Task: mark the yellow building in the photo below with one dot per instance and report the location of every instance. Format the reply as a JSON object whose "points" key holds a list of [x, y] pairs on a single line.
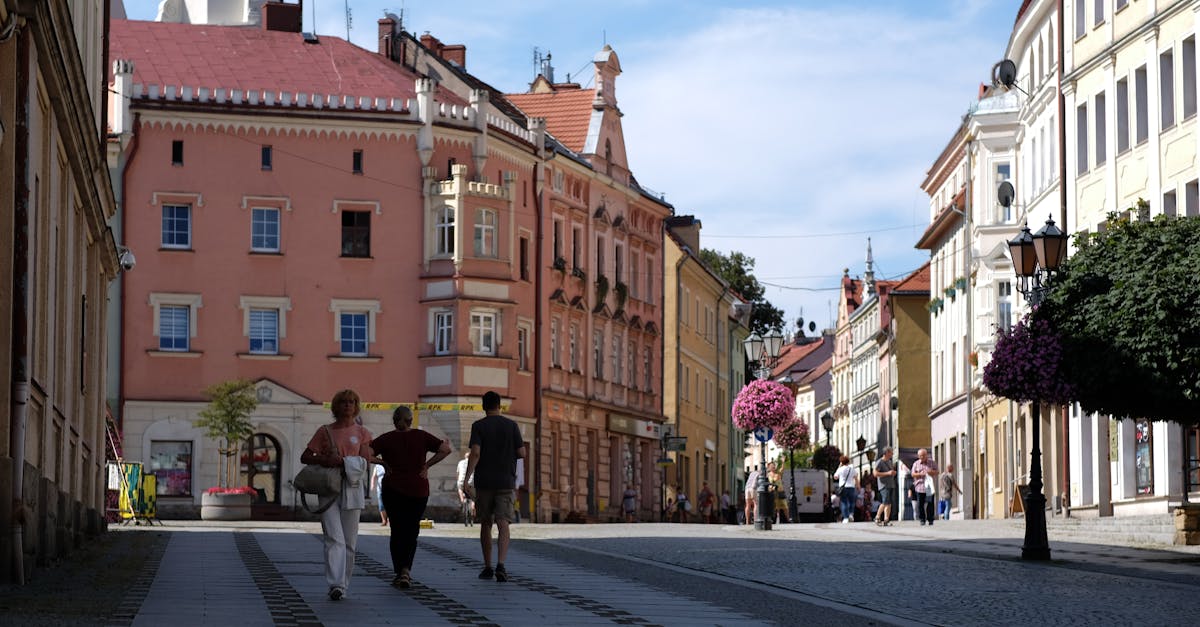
{"points": [[704, 324], [55, 202]]}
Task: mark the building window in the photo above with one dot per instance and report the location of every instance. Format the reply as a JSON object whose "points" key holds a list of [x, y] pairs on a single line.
{"points": [[483, 333], [1143, 452], [619, 263], [177, 152], [356, 233], [523, 257], [649, 281], [354, 325], [1098, 12], [1080, 18], [485, 233], [1004, 173], [598, 354], [356, 164], [175, 320], [264, 322], [264, 331], [1142, 105], [558, 234], [1004, 306], [634, 264], [618, 361], [1191, 199], [1122, 115], [266, 157], [599, 256], [353, 333], [633, 378], [1169, 203], [573, 347], [522, 349], [443, 332], [554, 359], [1101, 140], [177, 226], [174, 328], [443, 230], [264, 230], [646, 368], [1166, 88], [1081, 139], [171, 463], [1189, 77], [576, 248]]}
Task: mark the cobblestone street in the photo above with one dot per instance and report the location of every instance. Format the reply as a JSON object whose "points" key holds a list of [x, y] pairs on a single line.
{"points": [[957, 573]]}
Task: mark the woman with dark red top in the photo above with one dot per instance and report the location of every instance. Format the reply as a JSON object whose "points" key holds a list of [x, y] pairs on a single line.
{"points": [[404, 454]]}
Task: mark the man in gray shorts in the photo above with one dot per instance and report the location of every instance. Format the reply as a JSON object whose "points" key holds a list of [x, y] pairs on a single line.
{"points": [[496, 445], [885, 472]]}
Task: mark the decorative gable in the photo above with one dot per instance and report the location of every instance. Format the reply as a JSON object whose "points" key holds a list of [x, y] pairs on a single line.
{"points": [[268, 391]]}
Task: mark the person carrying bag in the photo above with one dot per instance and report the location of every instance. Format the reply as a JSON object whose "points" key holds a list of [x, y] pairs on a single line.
{"points": [[325, 482]]}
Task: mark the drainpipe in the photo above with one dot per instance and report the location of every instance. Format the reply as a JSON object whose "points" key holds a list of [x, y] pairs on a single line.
{"points": [[717, 383], [20, 303], [539, 173]]}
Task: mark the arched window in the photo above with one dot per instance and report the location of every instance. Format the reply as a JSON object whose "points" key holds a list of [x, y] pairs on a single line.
{"points": [[444, 231], [260, 467]]}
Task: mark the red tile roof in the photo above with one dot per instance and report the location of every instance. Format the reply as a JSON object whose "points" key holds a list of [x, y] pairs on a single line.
{"points": [[567, 111], [791, 354], [246, 58], [916, 282]]}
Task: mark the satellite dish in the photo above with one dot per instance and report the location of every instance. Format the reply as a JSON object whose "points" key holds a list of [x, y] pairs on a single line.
{"points": [[812, 326], [1004, 73], [800, 322], [1005, 194]]}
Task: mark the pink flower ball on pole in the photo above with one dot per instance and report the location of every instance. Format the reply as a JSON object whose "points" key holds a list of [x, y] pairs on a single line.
{"points": [[763, 404], [793, 435]]}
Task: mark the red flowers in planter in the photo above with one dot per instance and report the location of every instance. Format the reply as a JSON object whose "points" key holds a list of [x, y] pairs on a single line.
{"points": [[238, 490]]}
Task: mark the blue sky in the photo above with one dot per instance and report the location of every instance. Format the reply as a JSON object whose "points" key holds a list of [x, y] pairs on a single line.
{"points": [[793, 130]]}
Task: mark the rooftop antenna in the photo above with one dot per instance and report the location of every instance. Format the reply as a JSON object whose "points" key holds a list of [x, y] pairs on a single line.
{"points": [[349, 20]]}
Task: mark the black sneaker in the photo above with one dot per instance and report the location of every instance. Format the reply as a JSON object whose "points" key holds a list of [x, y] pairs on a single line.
{"points": [[336, 594], [501, 574], [486, 573]]}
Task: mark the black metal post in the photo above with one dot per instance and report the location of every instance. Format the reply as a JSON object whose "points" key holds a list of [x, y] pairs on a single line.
{"points": [[792, 508], [762, 520], [1037, 545]]}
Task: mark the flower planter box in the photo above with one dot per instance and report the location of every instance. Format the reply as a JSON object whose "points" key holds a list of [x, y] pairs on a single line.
{"points": [[225, 506]]}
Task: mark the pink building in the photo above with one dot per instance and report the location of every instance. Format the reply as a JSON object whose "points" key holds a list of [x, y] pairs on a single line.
{"points": [[314, 216]]}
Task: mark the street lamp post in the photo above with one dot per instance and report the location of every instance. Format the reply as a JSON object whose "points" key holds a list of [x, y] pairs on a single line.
{"points": [[861, 443], [764, 351], [1036, 259], [827, 424]]}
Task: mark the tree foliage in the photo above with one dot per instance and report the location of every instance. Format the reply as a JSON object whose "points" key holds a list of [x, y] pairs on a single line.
{"points": [[738, 271], [226, 420], [1127, 309]]}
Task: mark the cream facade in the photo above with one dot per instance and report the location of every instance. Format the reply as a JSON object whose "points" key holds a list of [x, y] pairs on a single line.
{"points": [[58, 258], [1130, 83]]}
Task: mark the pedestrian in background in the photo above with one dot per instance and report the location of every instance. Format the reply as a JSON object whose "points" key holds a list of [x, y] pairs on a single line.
{"points": [[947, 486], [466, 490], [496, 445], [751, 489], [922, 469], [682, 505], [346, 445], [377, 474], [405, 451], [727, 513], [846, 481], [629, 503], [707, 501], [885, 473]]}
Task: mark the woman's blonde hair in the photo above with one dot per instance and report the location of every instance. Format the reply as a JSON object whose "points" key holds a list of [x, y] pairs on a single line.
{"points": [[344, 395]]}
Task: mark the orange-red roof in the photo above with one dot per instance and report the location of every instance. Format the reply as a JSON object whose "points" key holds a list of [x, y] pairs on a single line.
{"points": [[239, 57], [567, 111], [916, 282], [792, 353]]}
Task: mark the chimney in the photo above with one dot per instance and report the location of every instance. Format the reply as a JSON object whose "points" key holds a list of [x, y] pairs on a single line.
{"points": [[456, 54], [686, 228], [281, 16], [387, 27]]}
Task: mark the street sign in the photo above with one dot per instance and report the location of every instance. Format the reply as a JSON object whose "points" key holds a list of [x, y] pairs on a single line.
{"points": [[665, 461], [764, 434], [675, 444]]}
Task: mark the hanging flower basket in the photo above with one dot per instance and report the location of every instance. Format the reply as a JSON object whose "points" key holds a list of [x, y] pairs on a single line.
{"points": [[794, 435], [763, 404]]}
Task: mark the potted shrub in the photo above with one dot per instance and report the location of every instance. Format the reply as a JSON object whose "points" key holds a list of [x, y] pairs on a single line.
{"points": [[226, 420]]}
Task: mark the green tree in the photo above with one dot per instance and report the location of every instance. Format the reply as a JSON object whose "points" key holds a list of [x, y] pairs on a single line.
{"points": [[738, 271], [226, 420], [1127, 307]]}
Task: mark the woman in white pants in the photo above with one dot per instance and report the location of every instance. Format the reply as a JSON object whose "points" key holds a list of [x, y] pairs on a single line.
{"points": [[343, 444]]}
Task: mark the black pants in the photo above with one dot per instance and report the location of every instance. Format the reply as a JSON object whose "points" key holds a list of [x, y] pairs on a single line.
{"points": [[925, 507], [404, 515]]}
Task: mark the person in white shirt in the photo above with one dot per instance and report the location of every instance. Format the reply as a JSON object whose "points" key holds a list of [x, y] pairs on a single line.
{"points": [[751, 488], [465, 499]]}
